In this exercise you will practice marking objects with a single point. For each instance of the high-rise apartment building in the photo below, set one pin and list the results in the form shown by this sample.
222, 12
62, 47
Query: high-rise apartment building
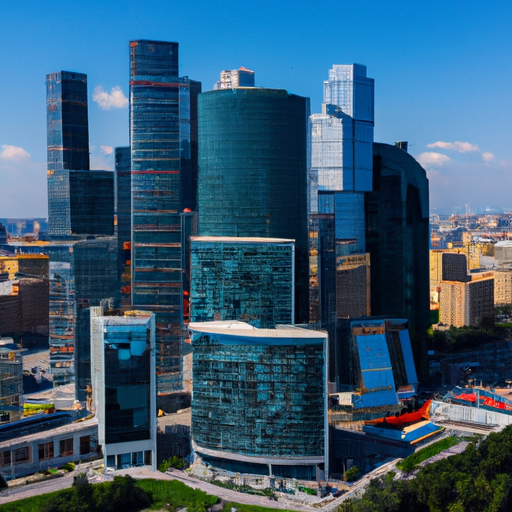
163, 179
235, 78
468, 303
253, 171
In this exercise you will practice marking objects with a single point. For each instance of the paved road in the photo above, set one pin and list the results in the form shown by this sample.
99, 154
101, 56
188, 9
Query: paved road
27, 491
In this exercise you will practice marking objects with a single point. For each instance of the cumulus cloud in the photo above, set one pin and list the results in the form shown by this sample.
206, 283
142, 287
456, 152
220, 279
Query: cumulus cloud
432, 159
13, 153
487, 156
108, 101
23, 190
461, 147
107, 150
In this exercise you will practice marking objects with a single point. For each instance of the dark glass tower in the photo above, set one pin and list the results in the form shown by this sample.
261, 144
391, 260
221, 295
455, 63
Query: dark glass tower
162, 125
95, 271
80, 204
68, 125
253, 170
397, 238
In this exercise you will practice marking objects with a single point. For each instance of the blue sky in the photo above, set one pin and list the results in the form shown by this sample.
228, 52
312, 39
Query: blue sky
442, 70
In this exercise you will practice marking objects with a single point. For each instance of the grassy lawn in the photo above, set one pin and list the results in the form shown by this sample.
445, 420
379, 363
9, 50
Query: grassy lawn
164, 495
176, 493
34, 504
409, 463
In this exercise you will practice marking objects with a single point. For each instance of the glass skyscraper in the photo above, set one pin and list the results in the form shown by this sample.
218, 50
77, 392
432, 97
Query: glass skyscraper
339, 176
259, 401
397, 238
80, 204
253, 170
163, 176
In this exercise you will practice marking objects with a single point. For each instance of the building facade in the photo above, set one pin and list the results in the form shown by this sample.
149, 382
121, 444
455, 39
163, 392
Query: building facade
124, 387
247, 279
259, 401
397, 238
339, 175
253, 171
163, 177
235, 78
80, 205
468, 303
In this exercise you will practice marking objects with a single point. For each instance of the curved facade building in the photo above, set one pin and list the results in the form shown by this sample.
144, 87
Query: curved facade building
259, 402
253, 170
397, 238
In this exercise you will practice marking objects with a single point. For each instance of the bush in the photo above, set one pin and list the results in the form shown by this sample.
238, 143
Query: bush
352, 474
173, 462
3, 483
69, 466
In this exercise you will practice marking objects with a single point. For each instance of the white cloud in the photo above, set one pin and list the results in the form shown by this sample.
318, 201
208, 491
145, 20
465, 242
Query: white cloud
106, 101
432, 159
23, 190
13, 153
107, 150
461, 147
487, 156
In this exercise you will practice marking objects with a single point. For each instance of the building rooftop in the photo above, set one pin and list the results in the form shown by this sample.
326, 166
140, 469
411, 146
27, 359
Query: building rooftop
241, 239
243, 329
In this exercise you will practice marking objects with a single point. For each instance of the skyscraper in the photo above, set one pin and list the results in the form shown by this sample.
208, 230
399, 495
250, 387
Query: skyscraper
397, 238
80, 204
339, 176
68, 124
162, 125
253, 171
259, 401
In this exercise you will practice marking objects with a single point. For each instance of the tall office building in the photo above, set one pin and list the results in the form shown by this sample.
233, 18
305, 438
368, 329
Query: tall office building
80, 205
259, 402
253, 171
339, 176
123, 387
68, 124
397, 238
163, 178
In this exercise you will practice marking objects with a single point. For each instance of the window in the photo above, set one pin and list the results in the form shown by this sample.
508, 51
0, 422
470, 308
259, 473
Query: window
21, 455
5, 458
66, 447
137, 458
45, 451
147, 458
85, 445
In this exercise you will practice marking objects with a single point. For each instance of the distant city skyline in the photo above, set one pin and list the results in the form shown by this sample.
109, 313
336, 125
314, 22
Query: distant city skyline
442, 74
